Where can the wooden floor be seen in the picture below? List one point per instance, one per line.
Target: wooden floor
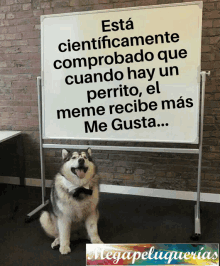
(123, 219)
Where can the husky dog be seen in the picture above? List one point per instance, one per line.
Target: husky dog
(73, 199)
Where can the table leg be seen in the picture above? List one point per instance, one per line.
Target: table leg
(18, 190)
(21, 163)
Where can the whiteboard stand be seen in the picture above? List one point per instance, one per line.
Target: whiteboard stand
(197, 234)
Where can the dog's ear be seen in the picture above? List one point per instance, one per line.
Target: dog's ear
(89, 152)
(65, 154)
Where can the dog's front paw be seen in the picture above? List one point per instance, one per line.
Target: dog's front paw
(65, 250)
(55, 243)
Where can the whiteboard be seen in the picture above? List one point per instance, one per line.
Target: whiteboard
(128, 74)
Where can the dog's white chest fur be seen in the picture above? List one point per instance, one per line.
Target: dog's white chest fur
(70, 186)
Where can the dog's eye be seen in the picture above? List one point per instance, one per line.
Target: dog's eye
(74, 157)
(84, 157)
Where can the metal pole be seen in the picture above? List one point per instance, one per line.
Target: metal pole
(41, 142)
(197, 207)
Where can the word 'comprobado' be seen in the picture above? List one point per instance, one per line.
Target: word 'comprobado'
(93, 61)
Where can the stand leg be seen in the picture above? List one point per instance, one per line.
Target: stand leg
(197, 235)
(44, 203)
(39, 208)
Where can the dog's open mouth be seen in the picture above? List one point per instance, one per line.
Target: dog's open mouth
(79, 171)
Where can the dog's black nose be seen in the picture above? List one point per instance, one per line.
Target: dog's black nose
(81, 161)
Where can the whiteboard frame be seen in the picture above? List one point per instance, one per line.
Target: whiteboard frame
(196, 141)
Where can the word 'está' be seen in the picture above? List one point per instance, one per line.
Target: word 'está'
(117, 25)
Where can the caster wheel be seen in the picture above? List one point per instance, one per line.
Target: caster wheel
(195, 237)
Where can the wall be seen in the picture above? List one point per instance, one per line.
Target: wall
(20, 66)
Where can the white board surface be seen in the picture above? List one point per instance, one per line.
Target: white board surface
(123, 74)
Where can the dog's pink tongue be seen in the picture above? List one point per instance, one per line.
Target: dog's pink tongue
(80, 173)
